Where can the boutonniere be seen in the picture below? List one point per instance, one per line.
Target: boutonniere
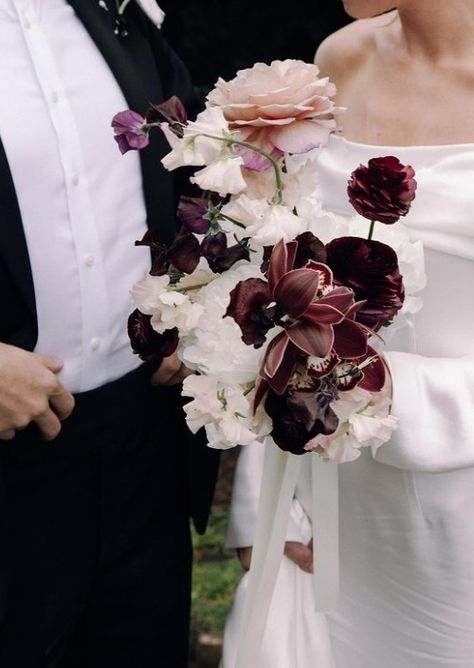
(149, 7)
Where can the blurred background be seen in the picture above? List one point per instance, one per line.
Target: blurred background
(216, 38)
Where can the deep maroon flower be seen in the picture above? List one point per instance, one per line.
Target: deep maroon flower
(300, 416)
(309, 248)
(383, 191)
(129, 131)
(170, 111)
(248, 306)
(158, 250)
(225, 260)
(374, 372)
(192, 212)
(148, 344)
(370, 269)
(213, 245)
(184, 252)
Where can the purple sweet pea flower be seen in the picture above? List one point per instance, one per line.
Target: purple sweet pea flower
(213, 245)
(129, 131)
(191, 212)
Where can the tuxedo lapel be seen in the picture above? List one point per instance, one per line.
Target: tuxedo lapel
(13, 248)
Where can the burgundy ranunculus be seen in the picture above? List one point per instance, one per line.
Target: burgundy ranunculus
(129, 131)
(191, 212)
(299, 416)
(370, 269)
(225, 260)
(148, 344)
(248, 303)
(382, 191)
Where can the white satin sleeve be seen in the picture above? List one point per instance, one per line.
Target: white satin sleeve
(244, 504)
(433, 398)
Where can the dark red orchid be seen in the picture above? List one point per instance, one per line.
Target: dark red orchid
(309, 248)
(315, 317)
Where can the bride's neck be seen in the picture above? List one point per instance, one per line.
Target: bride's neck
(441, 30)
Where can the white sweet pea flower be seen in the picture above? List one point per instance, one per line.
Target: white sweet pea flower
(216, 347)
(206, 405)
(146, 295)
(364, 421)
(223, 175)
(228, 433)
(194, 148)
(223, 410)
(176, 310)
(266, 223)
(325, 225)
(168, 308)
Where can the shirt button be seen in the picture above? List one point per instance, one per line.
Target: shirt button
(88, 260)
(95, 343)
(26, 23)
(75, 180)
(55, 98)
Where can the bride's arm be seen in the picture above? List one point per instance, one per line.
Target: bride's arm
(433, 398)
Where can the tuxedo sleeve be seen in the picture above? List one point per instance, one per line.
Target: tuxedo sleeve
(245, 497)
(433, 399)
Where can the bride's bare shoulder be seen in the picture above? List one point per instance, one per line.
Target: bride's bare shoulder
(347, 50)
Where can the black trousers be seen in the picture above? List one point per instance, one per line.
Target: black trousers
(98, 547)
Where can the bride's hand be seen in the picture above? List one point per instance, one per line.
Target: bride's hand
(298, 553)
(170, 372)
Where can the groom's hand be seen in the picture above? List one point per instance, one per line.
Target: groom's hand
(300, 554)
(30, 392)
(170, 372)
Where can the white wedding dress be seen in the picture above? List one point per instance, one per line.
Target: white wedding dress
(407, 516)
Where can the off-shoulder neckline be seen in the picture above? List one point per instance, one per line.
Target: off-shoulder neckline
(387, 148)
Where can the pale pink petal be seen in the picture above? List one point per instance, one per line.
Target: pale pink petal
(301, 136)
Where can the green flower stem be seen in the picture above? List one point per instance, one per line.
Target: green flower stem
(232, 220)
(191, 288)
(371, 230)
(278, 199)
(123, 6)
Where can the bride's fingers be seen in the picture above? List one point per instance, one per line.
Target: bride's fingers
(301, 555)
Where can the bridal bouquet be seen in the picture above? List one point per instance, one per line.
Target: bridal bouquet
(274, 302)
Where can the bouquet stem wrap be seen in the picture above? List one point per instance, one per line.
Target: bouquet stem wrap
(280, 473)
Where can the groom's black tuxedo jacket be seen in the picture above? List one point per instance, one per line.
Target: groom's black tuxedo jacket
(146, 69)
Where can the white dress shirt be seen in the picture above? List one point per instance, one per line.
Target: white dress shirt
(81, 202)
